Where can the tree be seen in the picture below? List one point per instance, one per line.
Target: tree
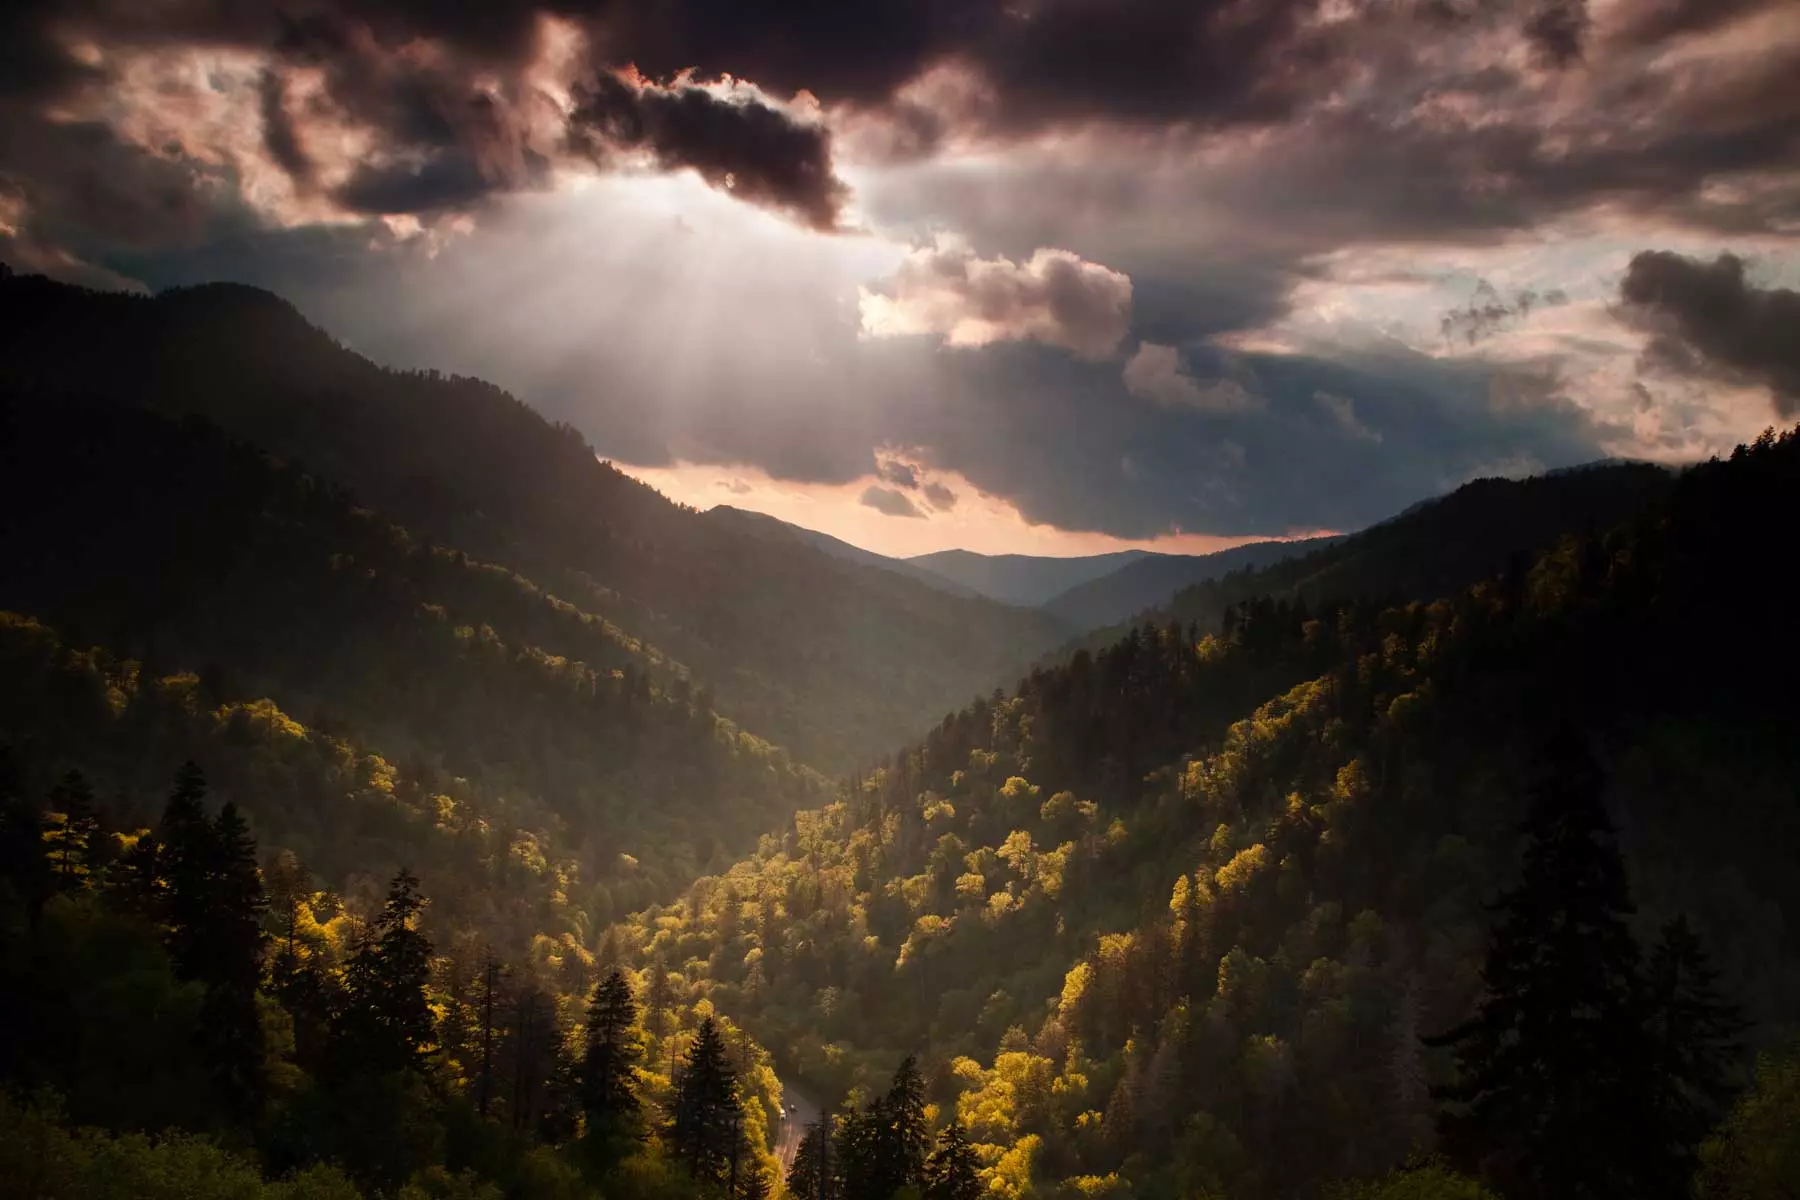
(1695, 1034)
(75, 838)
(185, 859)
(1553, 1098)
(230, 949)
(707, 1115)
(610, 1053)
(953, 1172)
(814, 1173)
(386, 1023)
(25, 867)
(884, 1148)
(1755, 1154)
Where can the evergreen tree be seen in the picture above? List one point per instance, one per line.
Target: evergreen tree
(609, 1062)
(185, 860)
(814, 1173)
(75, 840)
(231, 946)
(1553, 1094)
(1694, 1033)
(884, 1148)
(386, 1024)
(706, 1118)
(953, 1172)
(753, 1182)
(25, 867)
(134, 883)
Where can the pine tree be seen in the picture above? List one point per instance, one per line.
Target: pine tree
(25, 867)
(706, 1117)
(884, 1148)
(230, 945)
(814, 1173)
(185, 858)
(386, 1023)
(75, 839)
(753, 1182)
(1695, 1033)
(491, 972)
(953, 1172)
(1554, 1085)
(609, 1062)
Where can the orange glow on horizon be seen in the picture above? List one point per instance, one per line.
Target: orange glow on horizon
(978, 522)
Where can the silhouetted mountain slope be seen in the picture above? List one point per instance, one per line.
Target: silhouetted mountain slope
(763, 525)
(169, 544)
(831, 659)
(1146, 582)
(1434, 548)
(1176, 914)
(1022, 579)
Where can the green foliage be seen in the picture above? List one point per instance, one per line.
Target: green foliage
(1428, 1180)
(1336, 850)
(1755, 1154)
(609, 1065)
(45, 1159)
(706, 1115)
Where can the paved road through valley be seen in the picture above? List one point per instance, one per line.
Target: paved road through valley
(798, 1112)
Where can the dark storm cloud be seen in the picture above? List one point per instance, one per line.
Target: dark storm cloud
(1342, 82)
(1556, 30)
(941, 498)
(888, 502)
(279, 134)
(901, 475)
(1708, 320)
(1488, 313)
(756, 152)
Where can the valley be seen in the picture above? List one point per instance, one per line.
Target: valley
(428, 806)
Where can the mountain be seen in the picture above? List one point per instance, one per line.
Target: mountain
(1148, 581)
(1433, 549)
(171, 545)
(1173, 918)
(831, 659)
(763, 525)
(1022, 579)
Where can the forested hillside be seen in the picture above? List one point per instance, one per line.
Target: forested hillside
(832, 660)
(170, 545)
(1433, 549)
(1175, 919)
(1145, 583)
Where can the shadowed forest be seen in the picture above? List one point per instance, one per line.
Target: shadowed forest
(396, 801)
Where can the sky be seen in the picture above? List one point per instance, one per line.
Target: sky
(1046, 276)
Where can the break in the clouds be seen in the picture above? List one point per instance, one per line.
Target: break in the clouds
(1150, 266)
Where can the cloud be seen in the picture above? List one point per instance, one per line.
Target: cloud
(1156, 374)
(736, 487)
(1053, 297)
(1487, 313)
(741, 144)
(897, 472)
(1342, 410)
(889, 502)
(1707, 320)
(939, 497)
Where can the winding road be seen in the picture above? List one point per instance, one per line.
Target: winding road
(797, 1112)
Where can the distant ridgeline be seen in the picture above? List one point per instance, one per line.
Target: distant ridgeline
(831, 659)
(364, 737)
(1175, 918)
